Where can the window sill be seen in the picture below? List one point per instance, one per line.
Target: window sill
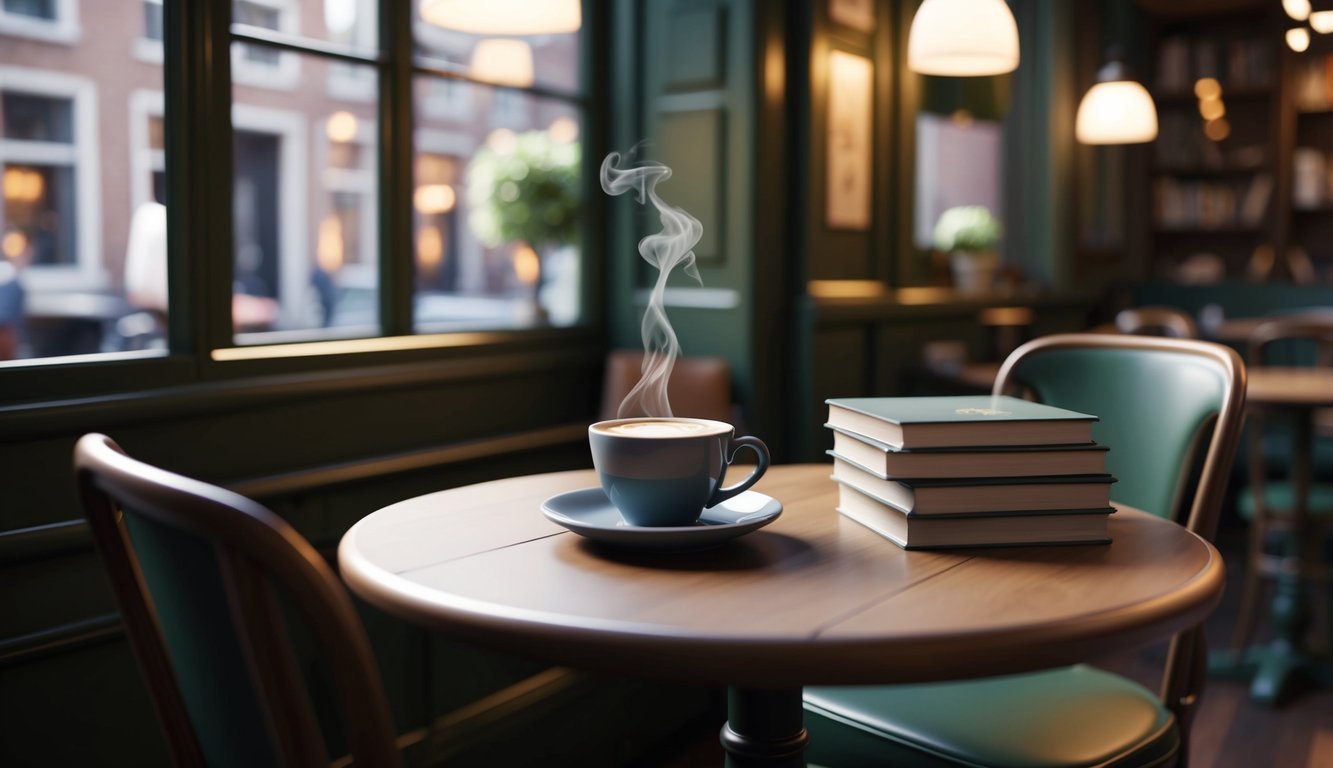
(61, 32)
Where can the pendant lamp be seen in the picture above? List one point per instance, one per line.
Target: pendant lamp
(963, 38)
(1116, 110)
(503, 62)
(504, 17)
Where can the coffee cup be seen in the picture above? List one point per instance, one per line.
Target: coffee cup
(665, 471)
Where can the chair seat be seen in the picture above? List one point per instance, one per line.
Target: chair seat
(1278, 500)
(1070, 717)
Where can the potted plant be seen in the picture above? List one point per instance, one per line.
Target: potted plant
(526, 190)
(969, 234)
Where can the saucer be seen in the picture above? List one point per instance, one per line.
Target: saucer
(587, 512)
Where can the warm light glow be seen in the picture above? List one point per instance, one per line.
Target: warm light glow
(1297, 9)
(1207, 88)
(339, 16)
(23, 186)
(502, 140)
(504, 17)
(527, 266)
(963, 38)
(1212, 109)
(1217, 129)
(845, 289)
(329, 251)
(503, 62)
(341, 127)
(564, 130)
(430, 247)
(1322, 21)
(434, 199)
(1117, 112)
(1298, 39)
(14, 244)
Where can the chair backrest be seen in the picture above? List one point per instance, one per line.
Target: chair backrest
(1155, 398)
(1157, 321)
(198, 572)
(698, 387)
(1293, 340)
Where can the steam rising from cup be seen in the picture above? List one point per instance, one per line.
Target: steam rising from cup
(666, 250)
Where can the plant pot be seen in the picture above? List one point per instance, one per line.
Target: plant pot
(974, 271)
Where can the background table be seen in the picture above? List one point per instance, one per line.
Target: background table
(1298, 392)
(813, 598)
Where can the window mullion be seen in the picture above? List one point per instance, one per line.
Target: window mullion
(396, 266)
(199, 144)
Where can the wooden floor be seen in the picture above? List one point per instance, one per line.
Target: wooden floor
(1231, 730)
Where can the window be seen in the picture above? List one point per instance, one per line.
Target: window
(351, 23)
(50, 207)
(78, 164)
(303, 241)
(49, 20)
(261, 65)
(152, 20)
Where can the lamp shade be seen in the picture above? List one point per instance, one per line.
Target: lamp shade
(503, 62)
(504, 17)
(1117, 110)
(963, 38)
(1322, 21)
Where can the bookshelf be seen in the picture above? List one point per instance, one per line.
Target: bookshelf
(1214, 170)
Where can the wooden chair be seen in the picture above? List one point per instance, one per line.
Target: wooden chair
(1074, 716)
(1295, 340)
(699, 387)
(1157, 321)
(198, 573)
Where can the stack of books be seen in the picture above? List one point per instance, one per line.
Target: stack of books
(934, 472)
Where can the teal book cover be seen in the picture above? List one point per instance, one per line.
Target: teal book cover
(961, 421)
(954, 409)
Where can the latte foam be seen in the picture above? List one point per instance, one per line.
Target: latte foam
(656, 428)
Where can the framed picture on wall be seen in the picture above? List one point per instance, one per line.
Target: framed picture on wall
(850, 167)
(857, 14)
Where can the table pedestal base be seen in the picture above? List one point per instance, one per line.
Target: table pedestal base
(764, 728)
(1273, 670)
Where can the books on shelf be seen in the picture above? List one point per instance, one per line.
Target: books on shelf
(1018, 529)
(970, 495)
(969, 471)
(979, 461)
(956, 422)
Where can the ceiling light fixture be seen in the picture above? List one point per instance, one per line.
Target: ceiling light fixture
(963, 38)
(1116, 110)
(504, 17)
(1298, 39)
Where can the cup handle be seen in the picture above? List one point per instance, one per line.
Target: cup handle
(760, 450)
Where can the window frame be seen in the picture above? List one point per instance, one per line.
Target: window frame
(202, 349)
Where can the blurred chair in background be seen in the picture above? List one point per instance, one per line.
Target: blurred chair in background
(1270, 505)
(1157, 321)
(699, 387)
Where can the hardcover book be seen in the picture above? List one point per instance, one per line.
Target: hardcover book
(914, 532)
(958, 422)
(977, 461)
(953, 496)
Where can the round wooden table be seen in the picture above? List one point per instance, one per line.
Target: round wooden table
(813, 598)
(1298, 392)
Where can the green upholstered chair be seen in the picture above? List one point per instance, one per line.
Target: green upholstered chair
(1296, 340)
(1160, 401)
(198, 573)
